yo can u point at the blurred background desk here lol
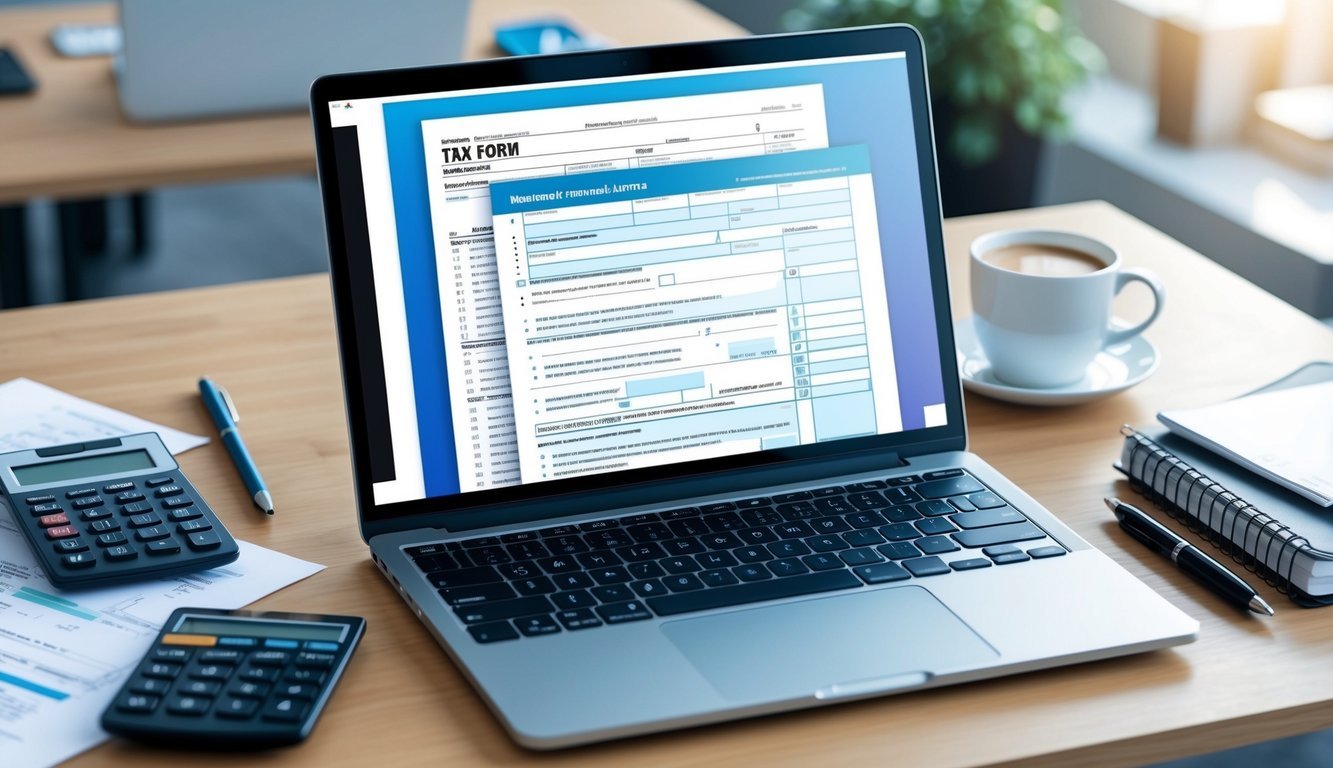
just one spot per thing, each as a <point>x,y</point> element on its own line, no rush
<point>403,703</point>
<point>69,140</point>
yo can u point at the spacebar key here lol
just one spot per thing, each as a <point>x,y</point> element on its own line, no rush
<point>702,600</point>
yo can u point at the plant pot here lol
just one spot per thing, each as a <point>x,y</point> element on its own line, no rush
<point>1005,182</point>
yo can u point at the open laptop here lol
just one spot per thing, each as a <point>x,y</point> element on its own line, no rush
<point>203,58</point>
<point>655,417</point>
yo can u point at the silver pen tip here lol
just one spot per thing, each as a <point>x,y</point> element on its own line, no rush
<point>1111,502</point>
<point>1258,605</point>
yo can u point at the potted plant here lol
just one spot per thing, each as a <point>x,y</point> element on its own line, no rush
<point>999,71</point>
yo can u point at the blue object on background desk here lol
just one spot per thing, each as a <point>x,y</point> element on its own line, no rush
<point>223,410</point>
<point>549,35</point>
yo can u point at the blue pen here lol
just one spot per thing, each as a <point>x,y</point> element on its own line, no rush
<point>219,405</point>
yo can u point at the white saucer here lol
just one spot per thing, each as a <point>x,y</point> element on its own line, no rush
<point>1115,369</point>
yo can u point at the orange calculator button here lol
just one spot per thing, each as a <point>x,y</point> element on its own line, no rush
<point>200,640</point>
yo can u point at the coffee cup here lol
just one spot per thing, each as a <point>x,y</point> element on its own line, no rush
<point>1042,303</point>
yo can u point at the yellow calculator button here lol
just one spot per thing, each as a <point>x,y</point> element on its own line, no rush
<point>201,640</point>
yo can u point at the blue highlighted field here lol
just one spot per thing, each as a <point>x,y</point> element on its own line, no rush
<point>28,685</point>
<point>54,603</point>
<point>664,384</point>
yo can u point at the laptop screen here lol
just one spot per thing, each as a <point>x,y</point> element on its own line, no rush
<point>568,279</point>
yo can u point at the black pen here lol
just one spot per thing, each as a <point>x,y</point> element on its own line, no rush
<point>1187,557</point>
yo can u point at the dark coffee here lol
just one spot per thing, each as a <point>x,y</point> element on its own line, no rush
<point>1049,260</point>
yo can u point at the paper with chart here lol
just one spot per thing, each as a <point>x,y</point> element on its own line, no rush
<point>33,415</point>
<point>63,655</point>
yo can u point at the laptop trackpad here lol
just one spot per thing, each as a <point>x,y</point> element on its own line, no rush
<point>832,647</point>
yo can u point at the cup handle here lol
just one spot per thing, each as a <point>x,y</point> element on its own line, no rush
<point>1127,276</point>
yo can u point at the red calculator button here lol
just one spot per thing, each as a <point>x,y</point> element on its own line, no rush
<point>62,532</point>
<point>47,521</point>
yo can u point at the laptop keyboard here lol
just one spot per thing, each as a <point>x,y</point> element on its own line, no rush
<point>749,550</point>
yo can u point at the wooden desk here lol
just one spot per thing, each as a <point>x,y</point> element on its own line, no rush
<point>70,139</point>
<point>403,703</point>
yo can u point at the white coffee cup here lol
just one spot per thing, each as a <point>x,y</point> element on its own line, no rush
<point>1042,318</point>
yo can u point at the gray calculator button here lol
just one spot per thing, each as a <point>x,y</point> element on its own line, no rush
<point>161,669</point>
<point>150,685</point>
<point>194,706</point>
<point>137,703</point>
<point>168,490</point>
<point>249,688</point>
<point>235,708</point>
<point>190,526</point>
<point>80,493</point>
<point>46,499</point>
<point>201,540</point>
<point>286,710</point>
<point>120,552</point>
<point>111,539</point>
<point>118,487</point>
<point>163,547</point>
<point>79,560</point>
<point>88,503</point>
<point>45,509</point>
<point>152,534</point>
<point>68,546</point>
<point>105,526</point>
<point>136,508</point>
<point>153,482</point>
<point>198,688</point>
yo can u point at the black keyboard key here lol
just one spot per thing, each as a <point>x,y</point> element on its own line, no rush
<point>642,517</point>
<point>796,510</point>
<point>608,539</point>
<point>834,505</point>
<point>717,577</point>
<point>761,516</point>
<point>648,570</point>
<point>719,541</point>
<point>826,543</point>
<point>559,530</point>
<point>515,538</point>
<point>504,609</point>
<point>935,545</point>
<point>751,572</point>
<point>619,613</point>
<point>676,514</point>
<point>514,571</point>
<point>559,564</point>
<point>868,500</point>
<point>898,550</point>
<point>869,485</point>
<point>721,506</point>
<point>961,504</point>
<point>579,618</point>
<point>827,525</point>
<point>640,552</point>
<point>999,549</point>
<point>533,626</point>
<point>787,567</point>
<point>566,545</point>
<point>831,490</point>
<point>1011,557</point>
<point>863,556</point>
<point>721,559</point>
<point>950,486</point>
<point>756,535</point>
<point>752,554</point>
<point>727,521</point>
<point>526,550</point>
<point>971,563</point>
<point>794,530</point>
<point>935,507</point>
<point>685,582</point>
<point>999,534</point>
<point>1041,552</point>
<point>742,594</point>
<point>787,549</point>
<point>943,473</point>
<point>783,498</point>
<point>987,517</point>
<point>423,552</point>
<point>692,526</point>
<point>864,519</point>
<point>613,593</point>
<point>881,573</point>
<point>985,500</point>
<point>926,566</point>
<point>599,525</point>
<point>650,532</point>
<point>493,632</point>
<point>575,598</point>
<point>863,538</point>
<point>648,588</point>
<point>901,495</point>
<point>900,532</point>
<point>933,526</point>
<point>594,560</point>
<point>612,575</point>
<point>894,482</point>
<point>536,586</point>
<point>758,501</point>
<point>689,546</point>
<point>822,561</point>
<point>675,565</point>
<point>903,514</point>
<point>463,577</point>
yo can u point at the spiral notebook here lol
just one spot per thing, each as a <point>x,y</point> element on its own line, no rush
<point>1279,535</point>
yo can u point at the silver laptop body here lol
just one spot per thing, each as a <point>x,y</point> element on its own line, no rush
<point>202,58</point>
<point>616,602</point>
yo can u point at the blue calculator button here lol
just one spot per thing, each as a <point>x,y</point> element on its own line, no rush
<point>320,646</point>
<point>270,642</point>
<point>238,642</point>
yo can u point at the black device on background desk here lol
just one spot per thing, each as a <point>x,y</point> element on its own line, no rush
<point>112,510</point>
<point>13,77</point>
<point>234,679</point>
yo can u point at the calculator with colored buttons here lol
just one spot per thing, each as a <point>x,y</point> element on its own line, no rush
<point>112,510</point>
<point>234,679</point>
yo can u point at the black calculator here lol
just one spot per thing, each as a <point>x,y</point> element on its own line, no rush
<point>112,510</point>
<point>234,679</point>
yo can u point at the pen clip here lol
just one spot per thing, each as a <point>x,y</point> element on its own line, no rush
<point>231,407</point>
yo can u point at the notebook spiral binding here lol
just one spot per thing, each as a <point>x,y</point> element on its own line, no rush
<point>1183,493</point>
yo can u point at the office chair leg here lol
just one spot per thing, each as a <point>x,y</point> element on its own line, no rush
<point>141,212</point>
<point>15,290</point>
<point>71,247</point>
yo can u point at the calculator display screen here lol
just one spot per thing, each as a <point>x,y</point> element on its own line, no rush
<point>286,630</point>
<point>88,466</point>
